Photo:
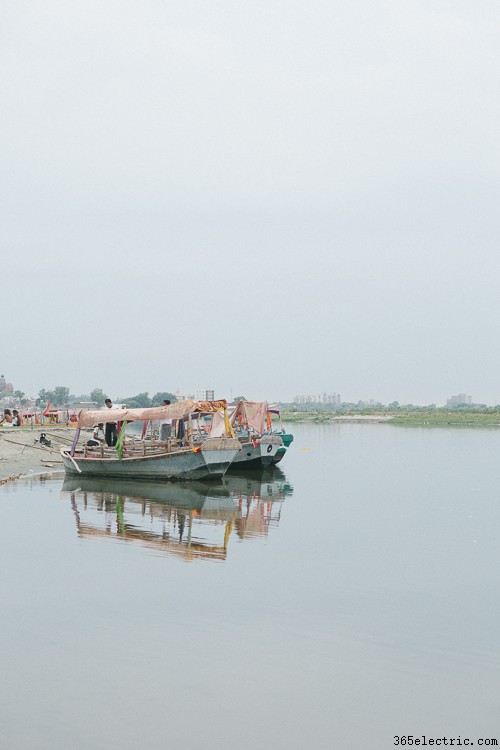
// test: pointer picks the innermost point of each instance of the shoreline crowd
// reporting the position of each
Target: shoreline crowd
(11, 418)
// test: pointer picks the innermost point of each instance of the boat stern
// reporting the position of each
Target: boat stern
(219, 454)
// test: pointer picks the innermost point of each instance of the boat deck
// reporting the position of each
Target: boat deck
(134, 449)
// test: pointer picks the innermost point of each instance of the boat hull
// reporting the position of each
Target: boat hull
(219, 453)
(211, 459)
(257, 454)
(280, 453)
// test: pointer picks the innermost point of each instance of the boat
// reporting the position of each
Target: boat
(139, 457)
(261, 446)
(257, 451)
(285, 436)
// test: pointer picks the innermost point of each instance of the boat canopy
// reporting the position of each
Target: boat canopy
(249, 414)
(178, 410)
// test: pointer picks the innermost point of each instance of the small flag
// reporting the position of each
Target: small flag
(45, 412)
(119, 442)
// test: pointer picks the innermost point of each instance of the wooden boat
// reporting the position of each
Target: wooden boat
(257, 452)
(138, 458)
(261, 446)
(286, 437)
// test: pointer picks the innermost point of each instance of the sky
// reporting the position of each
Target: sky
(267, 199)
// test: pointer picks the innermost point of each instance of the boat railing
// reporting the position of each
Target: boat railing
(139, 448)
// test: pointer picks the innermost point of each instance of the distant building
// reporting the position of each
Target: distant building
(460, 399)
(322, 398)
(205, 395)
(5, 388)
(79, 405)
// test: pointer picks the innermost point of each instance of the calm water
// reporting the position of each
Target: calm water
(350, 598)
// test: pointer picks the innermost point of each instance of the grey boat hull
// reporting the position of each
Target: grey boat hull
(211, 460)
(257, 454)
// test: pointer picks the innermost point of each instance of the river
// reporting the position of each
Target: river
(347, 600)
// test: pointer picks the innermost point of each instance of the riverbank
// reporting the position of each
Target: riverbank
(313, 417)
(21, 453)
(409, 418)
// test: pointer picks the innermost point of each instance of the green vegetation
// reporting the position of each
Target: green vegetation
(57, 397)
(413, 416)
(98, 396)
(61, 396)
(310, 416)
(142, 400)
(159, 398)
(489, 417)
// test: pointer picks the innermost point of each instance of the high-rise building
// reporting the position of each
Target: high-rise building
(205, 395)
(322, 398)
(459, 400)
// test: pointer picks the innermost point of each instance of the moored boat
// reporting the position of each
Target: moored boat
(286, 437)
(139, 458)
(252, 423)
(257, 451)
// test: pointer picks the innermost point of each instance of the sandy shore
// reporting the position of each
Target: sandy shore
(363, 418)
(21, 453)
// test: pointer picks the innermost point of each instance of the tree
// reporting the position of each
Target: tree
(58, 397)
(159, 398)
(98, 395)
(140, 401)
(19, 394)
(61, 395)
(43, 397)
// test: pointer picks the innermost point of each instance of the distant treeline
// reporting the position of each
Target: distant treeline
(363, 407)
(478, 415)
(61, 396)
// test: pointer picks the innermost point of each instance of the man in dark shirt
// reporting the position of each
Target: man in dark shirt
(111, 434)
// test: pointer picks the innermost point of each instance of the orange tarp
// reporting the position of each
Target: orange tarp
(179, 410)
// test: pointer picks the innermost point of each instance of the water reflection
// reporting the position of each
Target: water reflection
(189, 519)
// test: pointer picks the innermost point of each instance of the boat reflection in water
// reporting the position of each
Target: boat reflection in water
(189, 519)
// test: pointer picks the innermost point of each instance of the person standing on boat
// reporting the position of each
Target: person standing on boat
(111, 434)
(165, 424)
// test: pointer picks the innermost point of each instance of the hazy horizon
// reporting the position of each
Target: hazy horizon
(267, 199)
(316, 399)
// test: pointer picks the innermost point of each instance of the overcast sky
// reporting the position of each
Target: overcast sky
(267, 198)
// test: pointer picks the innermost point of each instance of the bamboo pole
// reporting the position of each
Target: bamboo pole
(60, 437)
(27, 445)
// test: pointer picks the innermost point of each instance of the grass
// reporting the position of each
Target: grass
(409, 417)
(456, 418)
